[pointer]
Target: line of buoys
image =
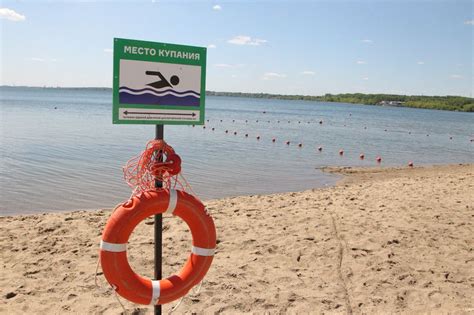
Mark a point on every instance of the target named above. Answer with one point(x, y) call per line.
point(320, 148)
point(321, 122)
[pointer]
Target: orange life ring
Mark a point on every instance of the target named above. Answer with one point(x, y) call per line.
point(113, 255)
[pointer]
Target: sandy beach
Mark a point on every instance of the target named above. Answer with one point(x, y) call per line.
point(380, 241)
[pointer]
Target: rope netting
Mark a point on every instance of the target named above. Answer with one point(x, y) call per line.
point(158, 162)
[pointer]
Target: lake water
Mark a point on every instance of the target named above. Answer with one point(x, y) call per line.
point(60, 151)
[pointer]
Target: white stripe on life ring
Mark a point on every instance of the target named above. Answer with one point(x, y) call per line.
point(173, 201)
point(203, 251)
point(111, 247)
point(155, 296)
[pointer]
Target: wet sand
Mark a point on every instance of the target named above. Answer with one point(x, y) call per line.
point(381, 241)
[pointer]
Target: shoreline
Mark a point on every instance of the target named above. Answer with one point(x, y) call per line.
point(344, 173)
point(431, 102)
point(382, 240)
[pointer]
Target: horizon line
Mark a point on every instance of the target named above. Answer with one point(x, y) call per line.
point(110, 88)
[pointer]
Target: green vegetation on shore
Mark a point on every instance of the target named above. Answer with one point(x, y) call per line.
point(453, 103)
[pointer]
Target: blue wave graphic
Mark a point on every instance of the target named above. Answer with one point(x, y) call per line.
point(151, 99)
point(158, 91)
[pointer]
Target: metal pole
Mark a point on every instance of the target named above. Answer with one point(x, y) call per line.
point(158, 227)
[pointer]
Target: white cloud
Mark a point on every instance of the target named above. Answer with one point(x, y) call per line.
point(217, 7)
point(11, 15)
point(361, 62)
point(307, 72)
point(234, 76)
point(273, 75)
point(367, 41)
point(365, 79)
point(108, 50)
point(227, 65)
point(211, 46)
point(246, 40)
point(421, 62)
point(223, 65)
point(456, 76)
point(469, 22)
point(38, 59)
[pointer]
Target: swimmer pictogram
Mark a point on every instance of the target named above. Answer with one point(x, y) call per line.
point(174, 80)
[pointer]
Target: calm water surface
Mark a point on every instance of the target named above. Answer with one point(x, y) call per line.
point(60, 151)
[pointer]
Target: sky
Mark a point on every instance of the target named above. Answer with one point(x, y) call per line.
point(282, 47)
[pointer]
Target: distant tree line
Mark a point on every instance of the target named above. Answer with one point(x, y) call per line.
point(453, 103)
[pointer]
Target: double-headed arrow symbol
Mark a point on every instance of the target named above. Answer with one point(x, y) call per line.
point(146, 113)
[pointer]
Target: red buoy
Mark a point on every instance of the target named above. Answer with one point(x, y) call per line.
point(410, 164)
point(378, 159)
point(362, 156)
point(341, 152)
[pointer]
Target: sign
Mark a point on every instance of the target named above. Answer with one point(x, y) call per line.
point(158, 83)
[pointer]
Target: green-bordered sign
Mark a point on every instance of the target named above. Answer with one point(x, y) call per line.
point(158, 83)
